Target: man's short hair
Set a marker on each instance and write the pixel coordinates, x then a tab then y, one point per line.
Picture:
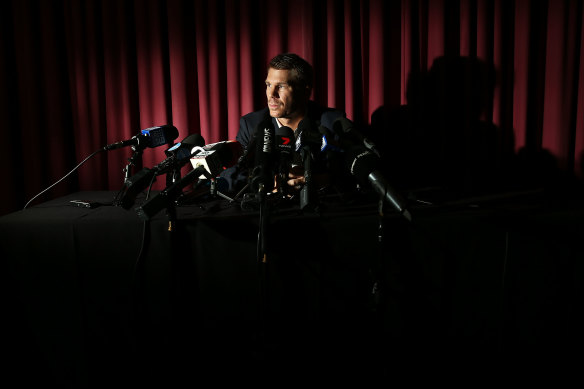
302	71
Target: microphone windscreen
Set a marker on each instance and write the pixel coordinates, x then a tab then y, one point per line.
262	174
310	135
228	152
264	135
285	139
342	125
194	140
160	135
307	124
362	162
182	149
216	157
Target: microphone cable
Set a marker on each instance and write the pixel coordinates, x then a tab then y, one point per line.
65	176
144	236
136	282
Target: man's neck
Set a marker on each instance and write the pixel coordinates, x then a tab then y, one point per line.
288	122
293	121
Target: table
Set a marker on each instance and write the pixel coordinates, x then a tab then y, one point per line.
99	294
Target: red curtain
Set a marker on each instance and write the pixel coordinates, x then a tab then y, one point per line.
77	75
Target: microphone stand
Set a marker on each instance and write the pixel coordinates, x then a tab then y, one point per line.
376	290
307	197
182	294
167	197
262	257
379	290
263	260
137	154
171	178
242	191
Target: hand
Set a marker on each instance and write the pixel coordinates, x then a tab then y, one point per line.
296	177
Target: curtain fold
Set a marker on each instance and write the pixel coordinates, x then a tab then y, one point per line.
77	75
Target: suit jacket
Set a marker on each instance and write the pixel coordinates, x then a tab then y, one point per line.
236	176
248	123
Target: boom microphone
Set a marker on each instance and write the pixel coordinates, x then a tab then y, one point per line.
364	167
149	137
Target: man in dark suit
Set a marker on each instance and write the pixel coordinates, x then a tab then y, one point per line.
289	83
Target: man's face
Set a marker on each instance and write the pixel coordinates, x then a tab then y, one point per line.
284	98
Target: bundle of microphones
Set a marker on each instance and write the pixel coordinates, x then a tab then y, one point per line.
207	161
268	159
275	150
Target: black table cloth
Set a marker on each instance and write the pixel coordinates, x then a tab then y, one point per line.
95	295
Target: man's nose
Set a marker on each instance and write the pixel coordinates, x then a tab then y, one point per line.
272	92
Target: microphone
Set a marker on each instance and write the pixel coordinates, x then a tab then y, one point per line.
216	157
149	137
364	167
177	155
163	199
309	142
262	175
181	151
329	144
207	162
247	159
345	130
310	139
285	148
